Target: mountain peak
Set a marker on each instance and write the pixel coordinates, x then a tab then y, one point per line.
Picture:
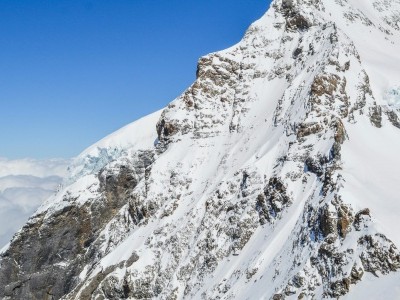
265	179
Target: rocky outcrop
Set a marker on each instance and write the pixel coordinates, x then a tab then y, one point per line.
273	201
48	254
379	254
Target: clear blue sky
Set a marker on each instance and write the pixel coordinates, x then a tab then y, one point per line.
72	72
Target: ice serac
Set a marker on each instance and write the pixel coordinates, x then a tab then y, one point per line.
274	176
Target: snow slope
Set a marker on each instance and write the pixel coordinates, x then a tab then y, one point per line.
138	135
273	176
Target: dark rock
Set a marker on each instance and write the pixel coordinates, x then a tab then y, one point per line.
361	219
340	132
270	204
297	22
297	52
327	221
345	220
314	166
306	129
340	288
356	274
278	297
165	129
294	19
325	84
379	254
375	116
287	4
393	118
134	258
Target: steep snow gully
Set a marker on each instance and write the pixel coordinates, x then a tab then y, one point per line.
273	176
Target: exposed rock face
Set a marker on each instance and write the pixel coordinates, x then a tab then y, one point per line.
252	184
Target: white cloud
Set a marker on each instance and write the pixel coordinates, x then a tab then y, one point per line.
34	167
24	185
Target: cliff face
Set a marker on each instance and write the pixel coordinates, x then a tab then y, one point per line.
273	176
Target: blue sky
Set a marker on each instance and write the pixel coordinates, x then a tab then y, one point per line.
74	71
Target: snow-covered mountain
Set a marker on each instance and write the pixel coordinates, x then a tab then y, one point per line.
274	176
24	185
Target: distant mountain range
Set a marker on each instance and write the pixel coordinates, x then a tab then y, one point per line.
24	185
